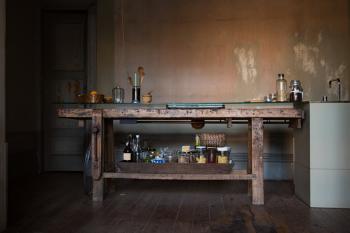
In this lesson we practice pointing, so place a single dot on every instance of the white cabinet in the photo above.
(322, 155)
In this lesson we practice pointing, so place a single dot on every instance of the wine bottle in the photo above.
(127, 153)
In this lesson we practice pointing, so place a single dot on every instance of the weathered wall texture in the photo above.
(205, 50)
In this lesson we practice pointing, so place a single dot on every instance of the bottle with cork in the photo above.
(281, 88)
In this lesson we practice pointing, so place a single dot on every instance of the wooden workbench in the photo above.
(103, 164)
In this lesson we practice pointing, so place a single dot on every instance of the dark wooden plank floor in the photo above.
(56, 203)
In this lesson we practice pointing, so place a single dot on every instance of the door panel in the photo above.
(64, 77)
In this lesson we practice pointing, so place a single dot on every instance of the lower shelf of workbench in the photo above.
(234, 175)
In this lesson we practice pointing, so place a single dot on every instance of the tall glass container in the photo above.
(281, 88)
(118, 95)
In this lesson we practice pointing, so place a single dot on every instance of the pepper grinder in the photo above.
(136, 82)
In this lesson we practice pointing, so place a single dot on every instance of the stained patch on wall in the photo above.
(306, 56)
(245, 63)
(319, 60)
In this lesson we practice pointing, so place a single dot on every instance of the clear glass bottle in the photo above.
(138, 149)
(281, 88)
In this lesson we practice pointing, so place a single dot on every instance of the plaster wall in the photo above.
(223, 50)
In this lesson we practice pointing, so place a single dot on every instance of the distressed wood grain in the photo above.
(257, 163)
(96, 155)
(154, 113)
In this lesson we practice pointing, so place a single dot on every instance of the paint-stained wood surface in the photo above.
(164, 206)
(160, 113)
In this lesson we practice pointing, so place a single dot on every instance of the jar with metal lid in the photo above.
(281, 88)
(296, 93)
(201, 158)
(224, 156)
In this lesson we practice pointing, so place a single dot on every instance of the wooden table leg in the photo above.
(255, 160)
(109, 146)
(96, 155)
(109, 163)
(249, 161)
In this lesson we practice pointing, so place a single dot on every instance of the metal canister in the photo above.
(118, 95)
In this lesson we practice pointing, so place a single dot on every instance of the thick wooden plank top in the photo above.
(161, 113)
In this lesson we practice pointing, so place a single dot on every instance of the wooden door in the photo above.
(64, 65)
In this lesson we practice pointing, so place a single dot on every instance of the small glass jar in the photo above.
(118, 95)
(224, 156)
(183, 158)
(201, 158)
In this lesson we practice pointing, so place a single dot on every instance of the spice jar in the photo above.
(201, 158)
(223, 158)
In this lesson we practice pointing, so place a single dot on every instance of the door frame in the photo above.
(3, 145)
(90, 64)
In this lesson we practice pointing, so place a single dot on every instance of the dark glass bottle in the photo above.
(127, 153)
(136, 95)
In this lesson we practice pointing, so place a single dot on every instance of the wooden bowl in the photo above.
(147, 99)
(90, 99)
(108, 99)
